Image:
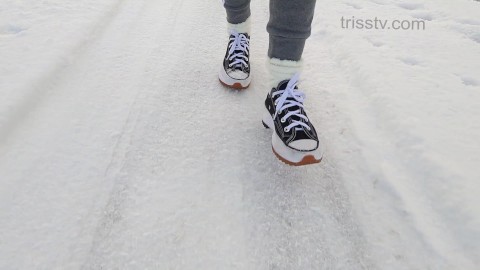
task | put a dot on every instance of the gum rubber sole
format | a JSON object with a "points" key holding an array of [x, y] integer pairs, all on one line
{"points": [[306, 160], [236, 86]]}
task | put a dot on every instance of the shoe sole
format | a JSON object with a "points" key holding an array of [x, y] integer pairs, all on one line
{"points": [[236, 86], [306, 160], [286, 154], [233, 83]]}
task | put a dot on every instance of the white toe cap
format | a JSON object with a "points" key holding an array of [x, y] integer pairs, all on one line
{"points": [[304, 145], [238, 75]]}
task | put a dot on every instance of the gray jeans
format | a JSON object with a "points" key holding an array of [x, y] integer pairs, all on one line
{"points": [[289, 25]]}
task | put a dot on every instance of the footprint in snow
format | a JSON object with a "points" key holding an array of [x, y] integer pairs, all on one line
{"points": [[353, 5], [474, 37], [375, 43], [10, 29], [410, 5], [409, 61], [319, 33], [469, 22], [422, 15], [468, 81], [471, 32], [378, 2]]}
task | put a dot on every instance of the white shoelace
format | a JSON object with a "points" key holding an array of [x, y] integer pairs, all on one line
{"points": [[283, 103], [242, 44]]}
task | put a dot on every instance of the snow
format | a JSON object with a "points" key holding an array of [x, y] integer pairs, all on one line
{"points": [[119, 149]]}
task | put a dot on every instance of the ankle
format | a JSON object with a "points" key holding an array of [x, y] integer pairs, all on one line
{"points": [[243, 27], [280, 70]]}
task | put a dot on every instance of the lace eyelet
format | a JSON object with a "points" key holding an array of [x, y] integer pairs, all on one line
{"points": [[286, 130], [283, 120]]}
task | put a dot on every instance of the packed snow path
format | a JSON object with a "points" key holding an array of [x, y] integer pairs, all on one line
{"points": [[119, 149]]}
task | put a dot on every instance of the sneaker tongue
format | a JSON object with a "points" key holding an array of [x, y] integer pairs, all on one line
{"points": [[283, 85], [238, 66], [301, 135]]}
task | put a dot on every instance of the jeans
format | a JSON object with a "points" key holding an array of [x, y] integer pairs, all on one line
{"points": [[289, 25]]}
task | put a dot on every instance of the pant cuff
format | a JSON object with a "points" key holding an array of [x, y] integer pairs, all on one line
{"points": [[236, 15], [286, 48]]}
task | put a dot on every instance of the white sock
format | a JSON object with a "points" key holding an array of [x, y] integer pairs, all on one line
{"points": [[240, 27], [280, 70]]}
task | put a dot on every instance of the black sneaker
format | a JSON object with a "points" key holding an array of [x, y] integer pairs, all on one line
{"points": [[294, 139], [235, 71]]}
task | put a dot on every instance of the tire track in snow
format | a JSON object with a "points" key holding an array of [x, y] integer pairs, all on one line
{"points": [[234, 207], [146, 25], [189, 181]]}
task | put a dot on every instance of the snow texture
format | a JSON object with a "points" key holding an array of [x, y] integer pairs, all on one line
{"points": [[119, 148]]}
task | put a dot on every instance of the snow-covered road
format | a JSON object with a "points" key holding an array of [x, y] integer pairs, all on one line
{"points": [[119, 149]]}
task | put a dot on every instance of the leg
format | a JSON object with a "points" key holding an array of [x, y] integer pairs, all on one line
{"points": [[238, 11], [289, 27], [294, 139], [235, 71]]}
